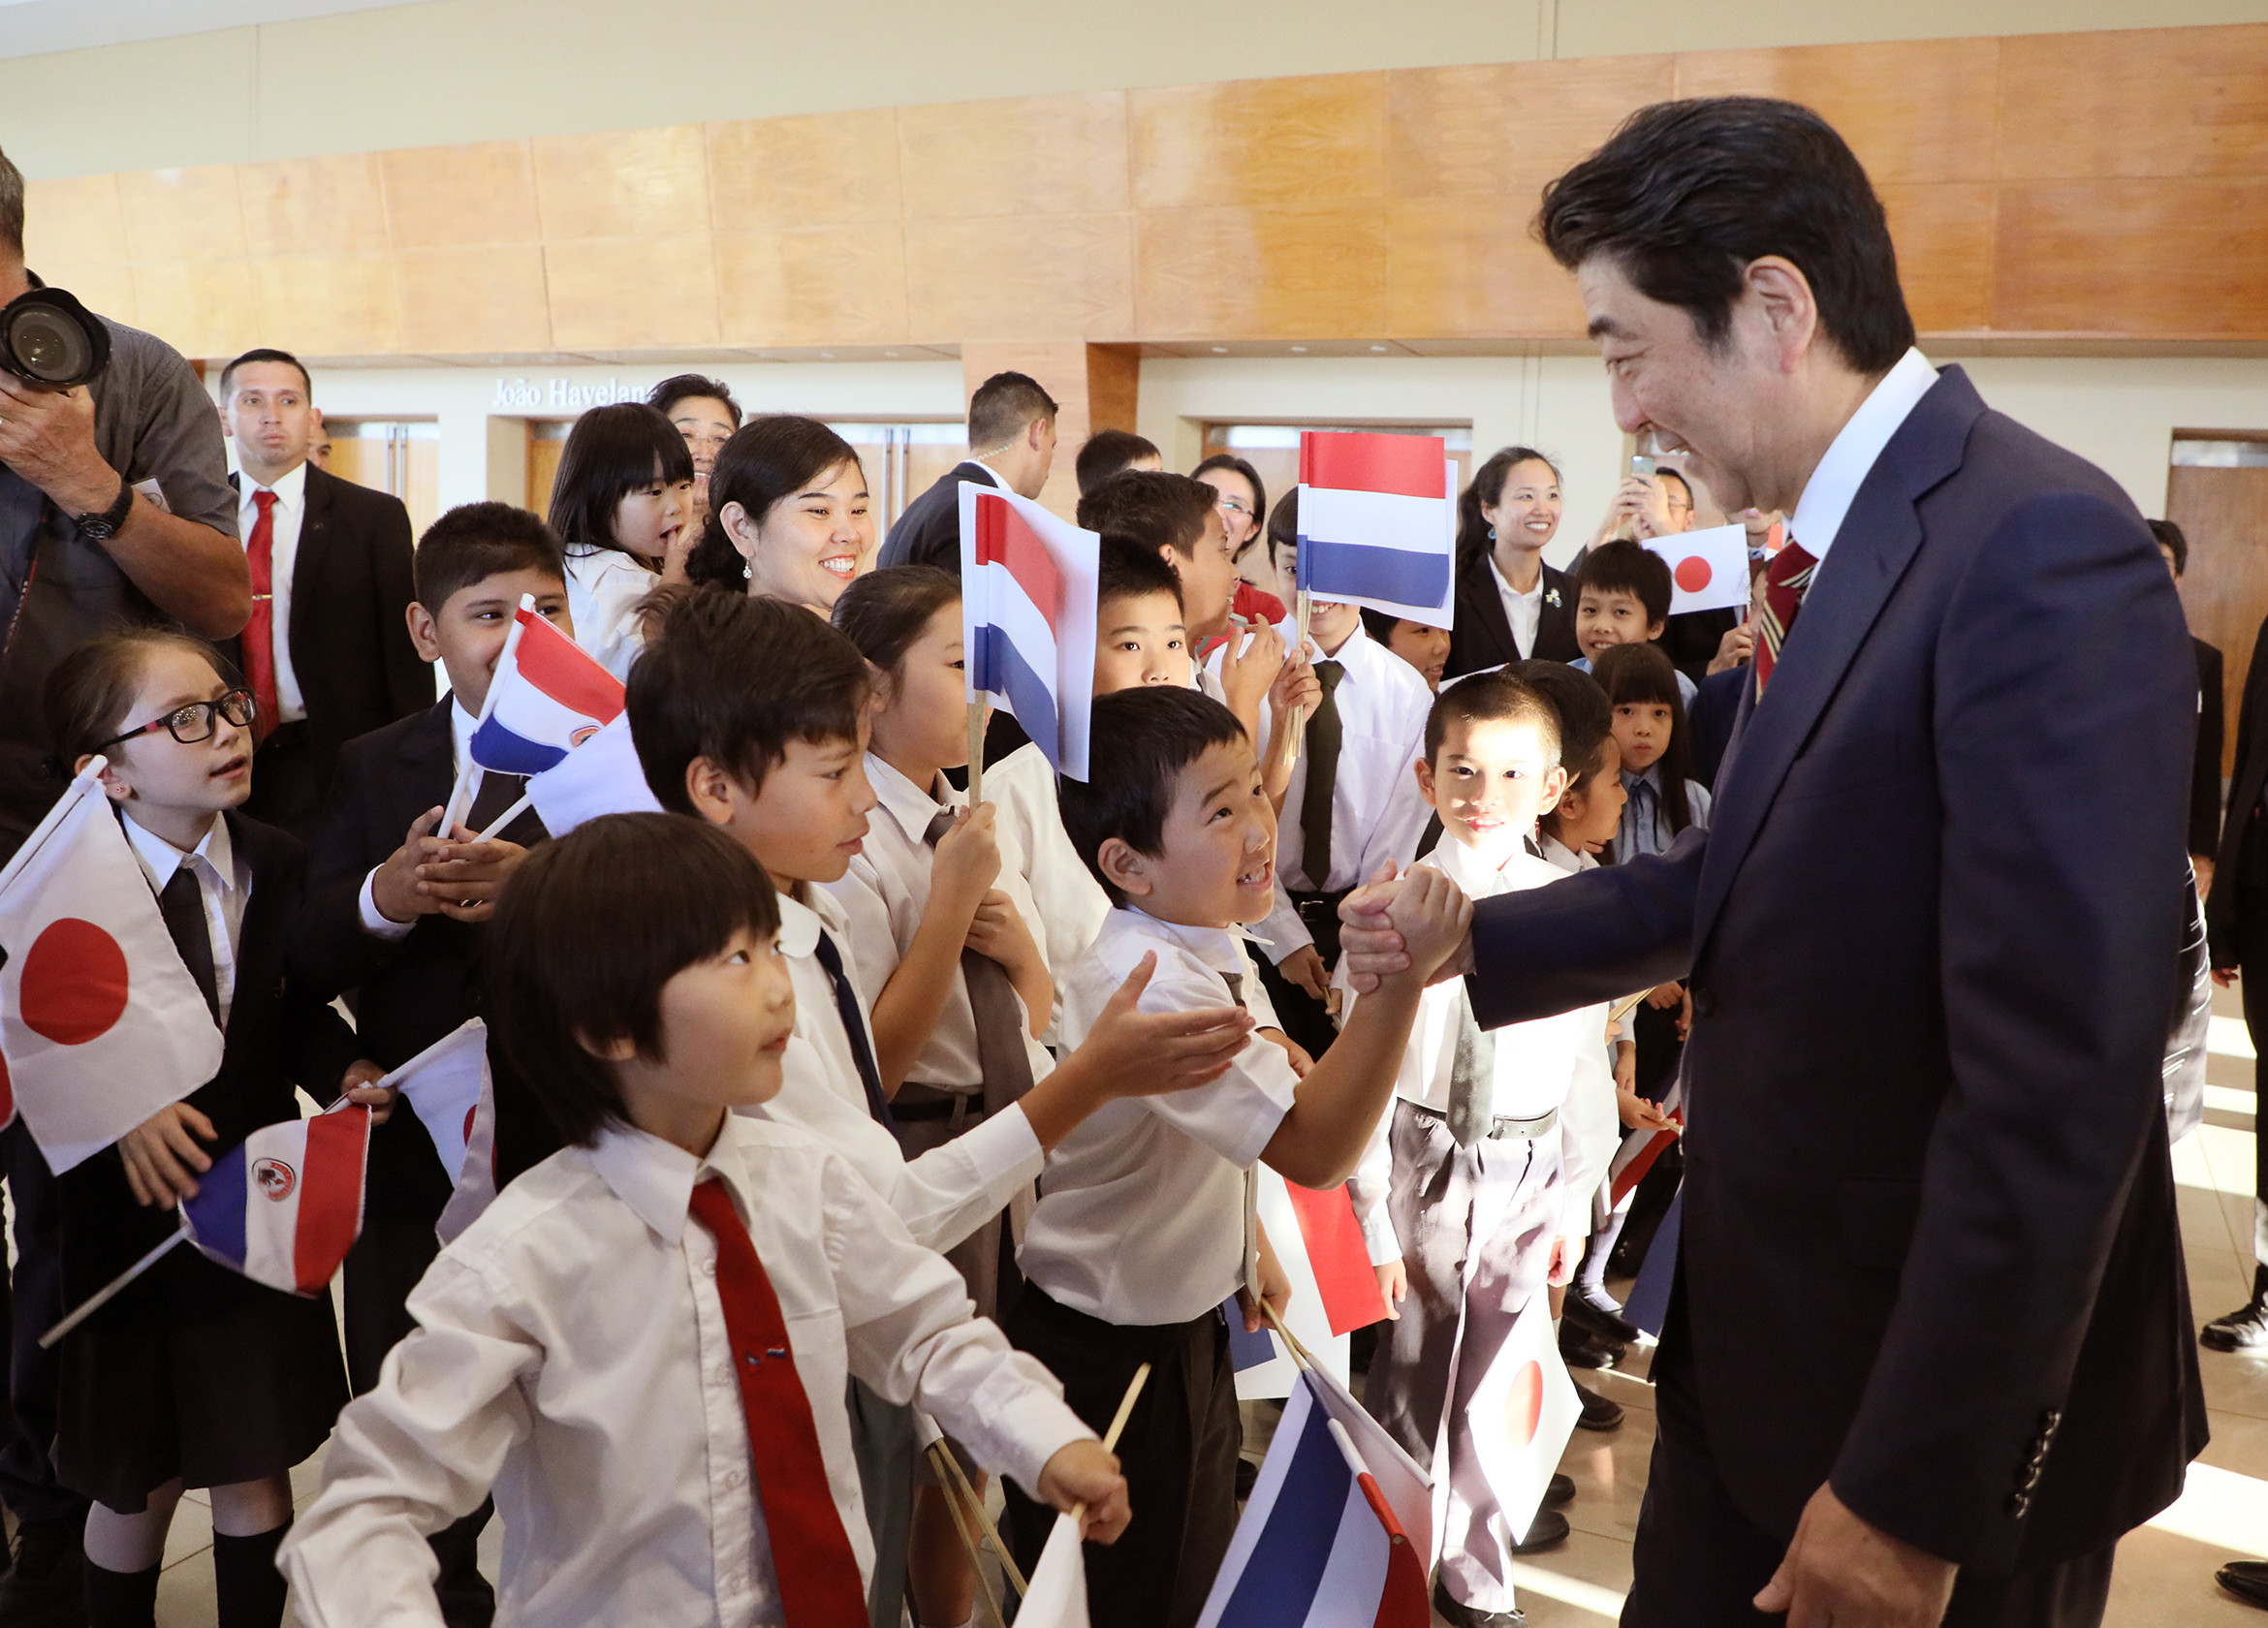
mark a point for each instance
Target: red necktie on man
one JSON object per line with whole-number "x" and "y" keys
{"x": 1786, "y": 580}
{"x": 259, "y": 639}
{"x": 811, "y": 1555}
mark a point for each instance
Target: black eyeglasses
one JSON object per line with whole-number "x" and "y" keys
{"x": 193, "y": 722}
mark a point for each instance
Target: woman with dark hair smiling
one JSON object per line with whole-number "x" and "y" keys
{"x": 1510, "y": 606}
{"x": 620, "y": 506}
{"x": 704, "y": 412}
{"x": 788, "y": 514}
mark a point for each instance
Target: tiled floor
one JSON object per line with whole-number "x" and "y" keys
{"x": 2165, "y": 1577}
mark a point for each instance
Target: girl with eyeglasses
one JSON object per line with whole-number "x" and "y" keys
{"x": 194, "y": 1377}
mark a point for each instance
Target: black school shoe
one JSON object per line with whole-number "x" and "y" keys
{"x": 2245, "y": 1328}
{"x": 2247, "y": 1580}
{"x": 1584, "y": 1350}
{"x": 1559, "y": 1491}
{"x": 1598, "y": 1413}
{"x": 1603, "y": 1327}
{"x": 1458, "y": 1614}
{"x": 46, "y": 1588}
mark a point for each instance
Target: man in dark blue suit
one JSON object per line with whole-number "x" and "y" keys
{"x": 1929, "y": 1351}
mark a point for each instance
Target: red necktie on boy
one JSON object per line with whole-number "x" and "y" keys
{"x": 811, "y": 1555}
{"x": 1786, "y": 580}
{"x": 258, "y": 643}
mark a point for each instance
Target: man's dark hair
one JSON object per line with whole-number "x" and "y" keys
{"x": 1620, "y": 566}
{"x": 1130, "y": 570}
{"x": 735, "y": 679}
{"x": 228, "y": 378}
{"x": 1641, "y": 674}
{"x": 1158, "y": 510}
{"x": 1684, "y": 194}
{"x": 1487, "y": 488}
{"x": 772, "y": 458}
{"x": 883, "y": 612}
{"x": 594, "y": 925}
{"x": 474, "y": 540}
{"x": 691, "y": 387}
{"x": 2169, "y": 538}
{"x": 611, "y": 453}
{"x": 1584, "y": 717}
{"x": 1105, "y": 452}
{"x": 1498, "y": 694}
{"x": 1665, "y": 472}
{"x": 11, "y": 206}
{"x": 1153, "y": 732}
{"x": 1241, "y": 467}
{"x": 1002, "y": 407}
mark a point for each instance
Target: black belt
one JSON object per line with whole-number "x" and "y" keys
{"x": 1504, "y": 1129}
{"x": 916, "y": 1102}
{"x": 1318, "y": 913}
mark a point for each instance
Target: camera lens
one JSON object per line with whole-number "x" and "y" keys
{"x": 50, "y": 338}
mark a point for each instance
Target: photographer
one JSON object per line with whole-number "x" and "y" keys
{"x": 83, "y": 549}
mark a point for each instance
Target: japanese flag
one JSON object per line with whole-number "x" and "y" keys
{"x": 1709, "y": 569}
{"x": 1523, "y": 1413}
{"x": 101, "y": 1024}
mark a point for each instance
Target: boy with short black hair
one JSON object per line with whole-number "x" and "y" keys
{"x": 1479, "y": 1195}
{"x": 1622, "y": 596}
{"x": 398, "y": 920}
{"x": 1146, "y": 1222}
{"x": 580, "y": 1344}
{"x": 1110, "y": 450}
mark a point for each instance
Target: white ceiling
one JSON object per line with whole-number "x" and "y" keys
{"x": 31, "y": 28}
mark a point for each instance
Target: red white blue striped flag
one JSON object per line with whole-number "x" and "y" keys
{"x": 549, "y": 697}
{"x": 285, "y": 1205}
{"x": 1378, "y": 522}
{"x": 1028, "y": 610}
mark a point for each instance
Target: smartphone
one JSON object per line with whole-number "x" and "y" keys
{"x": 1642, "y": 465}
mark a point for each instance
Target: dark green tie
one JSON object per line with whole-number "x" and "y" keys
{"x": 1472, "y": 1077}
{"x": 1324, "y": 735}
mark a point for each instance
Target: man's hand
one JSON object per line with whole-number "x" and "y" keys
{"x": 1304, "y": 967}
{"x": 1432, "y": 915}
{"x": 160, "y": 1155}
{"x": 1084, "y": 1473}
{"x": 1393, "y": 1287}
{"x": 48, "y": 437}
{"x": 1842, "y": 1572}
{"x": 360, "y": 1084}
{"x": 1146, "y": 1054}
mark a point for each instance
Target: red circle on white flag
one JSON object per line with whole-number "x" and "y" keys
{"x": 1693, "y": 573}
{"x": 75, "y": 984}
{"x": 1524, "y": 1402}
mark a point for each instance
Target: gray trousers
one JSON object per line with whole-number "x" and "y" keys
{"x": 1476, "y": 1229}
{"x": 882, "y": 1442}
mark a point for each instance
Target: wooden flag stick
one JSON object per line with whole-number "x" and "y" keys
{"x": 976, "y": 751}
{"x": 1303, "y": 607}
{"x": 1622, "y": 1008}
{"x": 108, "y": 1292}
{"x": 950, "y": 1466}
{"x": 966, "y": 1531}
{"x": 1119, "y": 1420}
{"x": 1299, "y": 1352}
{"x": 526, "y": 802}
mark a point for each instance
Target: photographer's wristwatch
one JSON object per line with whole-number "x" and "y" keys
{"x": 102, "y": 527}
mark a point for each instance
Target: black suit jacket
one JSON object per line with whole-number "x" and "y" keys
{"x": 1931, "y": 933}
{"x": 1715, "y": 709}
{"x": 928, "y": 532}
{"x": 1482, "y": 637}
{"x": 2249, "y": 777}
{"x": 349, "y": 636}
{"x": 415, "y": 990}
{"x": 280, "y": 1034}
{"x": 2205, "y": 763}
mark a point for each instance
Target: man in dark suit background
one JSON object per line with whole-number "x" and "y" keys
{"x": 2212, "y": 707}
{"x": 1011, "y": 444}
{"x": 1928, "y": 1353}
{"x": 328, "y": 650}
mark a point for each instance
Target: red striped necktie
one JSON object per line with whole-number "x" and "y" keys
{"x": 1786, "y": 580}
{"x": 258, "y": 641}
{"x": 811, "y": 1555}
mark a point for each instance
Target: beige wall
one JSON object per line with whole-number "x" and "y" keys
{"x": 457, "y": 71}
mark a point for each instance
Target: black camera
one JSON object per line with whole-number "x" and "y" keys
{"x": 50, "y": 339}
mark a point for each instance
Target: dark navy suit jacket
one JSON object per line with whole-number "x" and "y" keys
{"x": 1930, "y": 1249}
{"x": 928, "y": 532}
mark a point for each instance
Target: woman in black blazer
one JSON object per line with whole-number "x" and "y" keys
{"x": 1504, "y": 519}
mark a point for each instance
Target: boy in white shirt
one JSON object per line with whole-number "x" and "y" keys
{"x": 1144, "y": 1225}
{"x": 1497, "y": 1137}
{"x": 642, "y": 1344}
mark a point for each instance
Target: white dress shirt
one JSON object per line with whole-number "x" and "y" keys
{"x": 946, "y": 1193}
{"x": 604, "y": 586}
{"x": 571, "y": 1353}
{"x": 285, "y": 519}
{"x": 1141, "y": 1217}
{"x": 1376, "y": 811}
{"x": 883, "y": 895}
{"x": 1828, "y": 494}
{"x": 375, "y": 922}
{"x": 224, "y": 882}
{"x": 1546, "y": 1064}
{"x": 1522, "y": 610}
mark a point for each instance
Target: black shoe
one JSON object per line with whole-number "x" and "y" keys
{"x": 1559, "y": 1491}
{"x": 1598, "y": 1413}
{"x": 2247, "y": 1580}
{"x": 1607, "y": 1328}
{"x": 2247, "y": 1327}
{"x": 1548, "y": 1530}
{"x": 48, "y": 1586}
{"x": 1248, "y": 1477}
{"x": 1583, "y": 1350}
{"x": 1458, "y": 1614}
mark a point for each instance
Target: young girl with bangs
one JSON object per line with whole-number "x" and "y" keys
{"x": 622, "y": 506}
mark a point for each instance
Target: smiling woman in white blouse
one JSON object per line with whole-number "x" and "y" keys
{"x": 1510, "y": 605}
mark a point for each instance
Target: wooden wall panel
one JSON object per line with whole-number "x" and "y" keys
{"x": 2224, "y": 512}
{"x": 444, "y": 198}
{"x": 2142, "y": 102}
{"x": 1035, "y": 155}
{"x": 78, "y": 220}
{"x": 1508, "y": 128}
{"x": 463, "y": 302}
{"x": 183, "y": 214}
{"x": 330, "y": 304}
{"x": 201, "y": 307}
{"x": 314, "y": 205}
{"x": 818, "y": 169}
{"x": 635, "y": 183}
{"x": 1259, "y": 142}
{"x": 621, "y": 293}
{"x": 1944, "y": 232}
{"x": 2192, "y": 258}
{"x": 1303, "y": 271}
{"x": 1457, "y": 267}
{"x": 1062, "y": 275}
{"x": 822, "y": 285}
